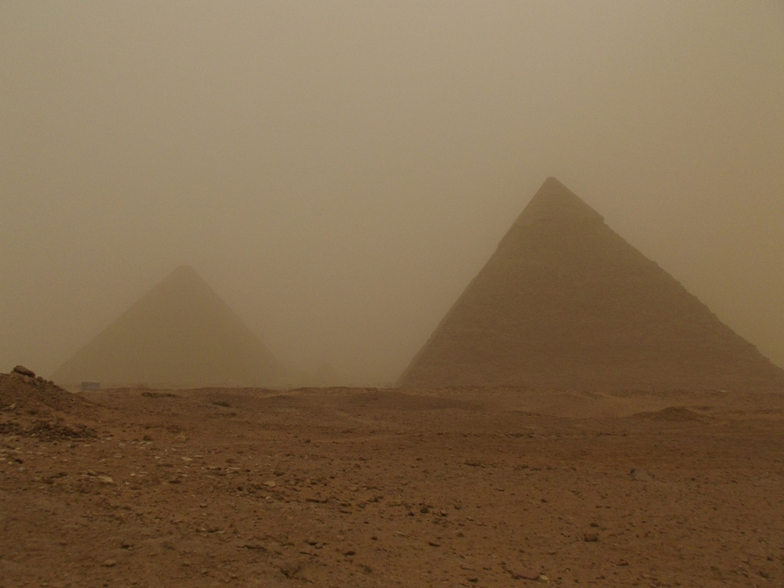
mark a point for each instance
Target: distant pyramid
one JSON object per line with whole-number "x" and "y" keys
{"x": 179, "y": 334}
{"x": 565, "y": 302}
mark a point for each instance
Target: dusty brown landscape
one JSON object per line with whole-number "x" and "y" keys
{"x": 365, "y": 487}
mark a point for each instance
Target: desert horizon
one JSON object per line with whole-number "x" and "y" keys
{"x": 564, "y": 302}
{"x": 349, "y": 294}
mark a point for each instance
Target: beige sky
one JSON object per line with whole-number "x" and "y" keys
{"x": 339, "y": 171}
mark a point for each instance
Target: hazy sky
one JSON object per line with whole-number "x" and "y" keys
{"x": 339, "y": 171}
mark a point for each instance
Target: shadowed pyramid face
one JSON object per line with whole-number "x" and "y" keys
{"x": 179, "y": 334}
{"x": 565, "y": 302}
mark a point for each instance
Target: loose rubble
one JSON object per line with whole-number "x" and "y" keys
{"x": 357, "y": 488}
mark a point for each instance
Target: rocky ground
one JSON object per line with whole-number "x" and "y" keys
{"x": 363, "y": 487}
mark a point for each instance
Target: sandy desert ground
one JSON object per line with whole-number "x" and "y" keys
{"x": 363, "y": 487}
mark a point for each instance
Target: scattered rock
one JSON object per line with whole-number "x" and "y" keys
{"x": 642, "y": 475}
{"x": 148, "y": 394}
{"x": 281, "y": 522}
{"x": 290, "y": 569}
{"x": 22, "y": 370}
{"x": 591, "y": 537}
{"x": 671, "y": 413}
{"x": 533, "y": 576}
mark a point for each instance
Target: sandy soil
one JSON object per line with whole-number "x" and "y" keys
{"x": 355, "y": 487}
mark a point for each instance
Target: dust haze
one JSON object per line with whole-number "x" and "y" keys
{"x": 338, "y": 172}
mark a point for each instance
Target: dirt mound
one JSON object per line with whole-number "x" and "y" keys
{"x": 34, "y": 407}
{"x": 26, "y": 392}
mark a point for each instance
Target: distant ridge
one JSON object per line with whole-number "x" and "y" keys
{"x": 565, "y": 302}
{"x": 179, "y": 334}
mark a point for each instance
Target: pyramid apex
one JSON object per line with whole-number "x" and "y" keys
{"x": 183, "y": 274}
{"x": 555, "y": 202}
{"x": 185, "y": 270}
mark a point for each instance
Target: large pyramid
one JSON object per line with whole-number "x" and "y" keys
{"x": 179, "y": 334}
{"x": 565, "y": 302}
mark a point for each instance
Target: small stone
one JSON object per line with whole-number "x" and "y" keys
{"x": 290, "y": 568}
{"x": 591, "y": 537}
{"x": 109, "y": 563}
{"x": 270, "y": 483}
{"x": 22, "y": 370}
{"x": 641, "y": 475}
